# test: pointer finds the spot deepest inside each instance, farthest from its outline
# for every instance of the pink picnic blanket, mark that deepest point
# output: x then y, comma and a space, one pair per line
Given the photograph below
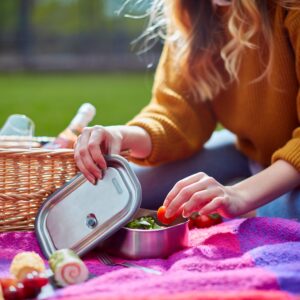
256, 258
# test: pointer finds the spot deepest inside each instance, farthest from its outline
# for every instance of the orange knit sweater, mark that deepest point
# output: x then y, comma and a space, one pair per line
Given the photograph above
264, 115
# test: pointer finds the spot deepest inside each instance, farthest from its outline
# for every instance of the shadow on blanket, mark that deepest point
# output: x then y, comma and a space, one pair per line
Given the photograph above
256, 258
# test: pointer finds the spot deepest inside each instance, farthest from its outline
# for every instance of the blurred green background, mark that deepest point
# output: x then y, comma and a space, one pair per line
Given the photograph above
51, 100
57, 54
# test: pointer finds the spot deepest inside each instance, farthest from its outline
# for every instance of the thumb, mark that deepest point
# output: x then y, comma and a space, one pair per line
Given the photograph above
115, 148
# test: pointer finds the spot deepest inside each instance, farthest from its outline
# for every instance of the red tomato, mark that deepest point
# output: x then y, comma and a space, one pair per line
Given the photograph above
35, 279
217, 219
11, 293
11, 289
205, 221
33, 283
27, 288
191, 223
161, 212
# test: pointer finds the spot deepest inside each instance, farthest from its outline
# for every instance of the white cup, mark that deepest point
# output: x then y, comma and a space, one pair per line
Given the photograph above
17, 132
18, 125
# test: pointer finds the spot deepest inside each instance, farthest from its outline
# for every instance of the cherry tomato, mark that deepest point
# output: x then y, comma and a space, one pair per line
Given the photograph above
35, 279
205, 221
161, 212
21, 290
33, 283
216, 218
191, 224
14, 292
10, 293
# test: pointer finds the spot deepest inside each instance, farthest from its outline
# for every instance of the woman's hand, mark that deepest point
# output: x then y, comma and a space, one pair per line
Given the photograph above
203, 194
95, 142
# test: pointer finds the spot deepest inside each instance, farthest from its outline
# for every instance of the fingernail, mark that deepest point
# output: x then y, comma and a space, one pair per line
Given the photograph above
185, 214
168, 214
103, 167
91, 180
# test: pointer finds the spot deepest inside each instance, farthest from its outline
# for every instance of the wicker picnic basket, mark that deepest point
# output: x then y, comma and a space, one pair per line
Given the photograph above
27, 178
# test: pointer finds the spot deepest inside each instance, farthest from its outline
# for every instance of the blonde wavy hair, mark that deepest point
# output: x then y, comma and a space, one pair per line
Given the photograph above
195, 32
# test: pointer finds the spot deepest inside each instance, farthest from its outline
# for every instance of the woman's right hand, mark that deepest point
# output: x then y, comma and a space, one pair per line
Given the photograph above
95, 142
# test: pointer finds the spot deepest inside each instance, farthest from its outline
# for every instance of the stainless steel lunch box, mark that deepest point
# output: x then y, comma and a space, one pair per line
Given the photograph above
155, 243
82, 216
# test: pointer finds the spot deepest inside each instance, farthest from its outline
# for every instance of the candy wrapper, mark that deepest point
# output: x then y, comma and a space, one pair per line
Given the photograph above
67, 267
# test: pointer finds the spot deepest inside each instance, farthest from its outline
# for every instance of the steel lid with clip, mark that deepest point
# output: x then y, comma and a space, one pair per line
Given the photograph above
80, 216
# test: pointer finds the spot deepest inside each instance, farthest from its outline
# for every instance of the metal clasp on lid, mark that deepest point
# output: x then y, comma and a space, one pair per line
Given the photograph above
91, 221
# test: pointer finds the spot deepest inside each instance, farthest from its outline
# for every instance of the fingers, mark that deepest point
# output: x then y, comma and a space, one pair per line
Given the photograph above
185, 194
222, 205
94, 146
202, 201
213, 206
90, 148
88, 155
85, 172
192, 194
181, 185
83, 159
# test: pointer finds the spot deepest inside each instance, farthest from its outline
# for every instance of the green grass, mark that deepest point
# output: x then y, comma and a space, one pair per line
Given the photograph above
51, 100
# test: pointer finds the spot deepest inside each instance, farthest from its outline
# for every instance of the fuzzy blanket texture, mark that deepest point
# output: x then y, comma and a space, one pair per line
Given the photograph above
257, 258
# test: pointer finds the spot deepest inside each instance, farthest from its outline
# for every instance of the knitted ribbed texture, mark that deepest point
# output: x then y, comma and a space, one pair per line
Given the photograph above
263, 114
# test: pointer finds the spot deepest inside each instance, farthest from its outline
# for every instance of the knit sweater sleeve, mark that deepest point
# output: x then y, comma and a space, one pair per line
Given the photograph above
291, 150
177, 124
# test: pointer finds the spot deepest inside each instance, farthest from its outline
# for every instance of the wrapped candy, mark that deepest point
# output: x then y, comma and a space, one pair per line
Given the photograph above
26, 262
67, 267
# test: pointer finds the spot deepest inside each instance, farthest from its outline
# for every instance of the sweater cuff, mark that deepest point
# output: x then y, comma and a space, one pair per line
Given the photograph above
290, 153
156, 131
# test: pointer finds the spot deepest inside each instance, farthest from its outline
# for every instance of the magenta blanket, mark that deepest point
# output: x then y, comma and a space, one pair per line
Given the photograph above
257, 256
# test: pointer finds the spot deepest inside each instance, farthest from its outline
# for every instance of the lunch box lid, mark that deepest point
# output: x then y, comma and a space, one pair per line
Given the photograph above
80, 215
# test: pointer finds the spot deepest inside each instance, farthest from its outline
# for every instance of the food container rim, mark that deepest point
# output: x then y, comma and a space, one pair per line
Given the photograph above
156, 229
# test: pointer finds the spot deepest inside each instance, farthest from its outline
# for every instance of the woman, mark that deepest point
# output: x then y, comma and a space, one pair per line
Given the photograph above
236, 63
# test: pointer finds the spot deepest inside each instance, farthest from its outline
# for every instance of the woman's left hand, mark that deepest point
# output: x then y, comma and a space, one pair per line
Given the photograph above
202, 193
